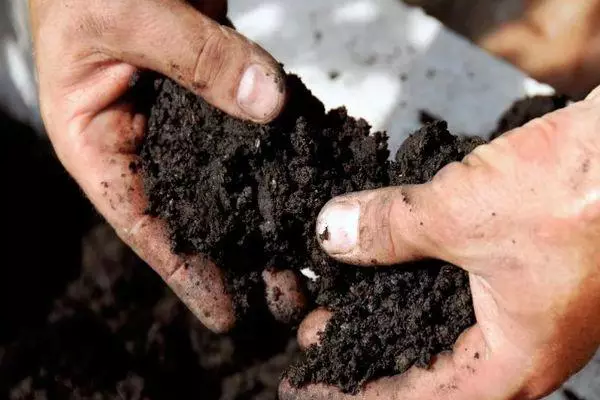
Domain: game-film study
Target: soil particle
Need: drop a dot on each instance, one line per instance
(427, 117)
(570, 395)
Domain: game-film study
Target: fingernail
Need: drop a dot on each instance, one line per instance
(259, 93)
(337, 226)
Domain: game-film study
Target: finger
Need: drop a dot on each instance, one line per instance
(468, 373)
(285, 296)
(385, 226)
(103, 161)
(214, 61)
(311, 328)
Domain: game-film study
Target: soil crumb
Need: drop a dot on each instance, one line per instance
(427, 117)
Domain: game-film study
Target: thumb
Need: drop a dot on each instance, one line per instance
(385, 226)
(214, 61)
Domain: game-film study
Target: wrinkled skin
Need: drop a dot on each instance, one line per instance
(87, 52)
(522, 216)
(554, 41)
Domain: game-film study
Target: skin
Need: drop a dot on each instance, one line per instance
(521, 215)
(87, 52)
(554, 41)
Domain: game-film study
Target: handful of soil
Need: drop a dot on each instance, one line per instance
(248, 195)
(117, 332)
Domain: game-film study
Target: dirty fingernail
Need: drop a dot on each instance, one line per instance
(259, 93)
(337, 226)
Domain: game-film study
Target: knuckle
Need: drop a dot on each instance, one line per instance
(456, 216)
(376, 231)
(543, 127)
(212, 57)
(449, 173)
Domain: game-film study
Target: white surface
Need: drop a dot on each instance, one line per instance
(392, 61)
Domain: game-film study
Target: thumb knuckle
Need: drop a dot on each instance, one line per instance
(214, 52)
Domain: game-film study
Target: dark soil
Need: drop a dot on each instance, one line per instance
(526, 109)
(43, 217)
(248, 195)
(118, 333)
(83, 317)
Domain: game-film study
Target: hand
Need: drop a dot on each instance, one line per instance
(522, 216)
(87, 52)
(555, 41)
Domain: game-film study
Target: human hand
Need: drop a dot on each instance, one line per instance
(87, 52)
(521, 215)
(555, 41)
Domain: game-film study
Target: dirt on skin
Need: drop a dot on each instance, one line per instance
(249, 195)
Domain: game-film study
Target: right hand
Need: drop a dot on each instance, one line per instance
(522, 216)
(87, 52)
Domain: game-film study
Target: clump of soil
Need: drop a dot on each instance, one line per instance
(527, 109)
(249, 195)
(83, 317)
